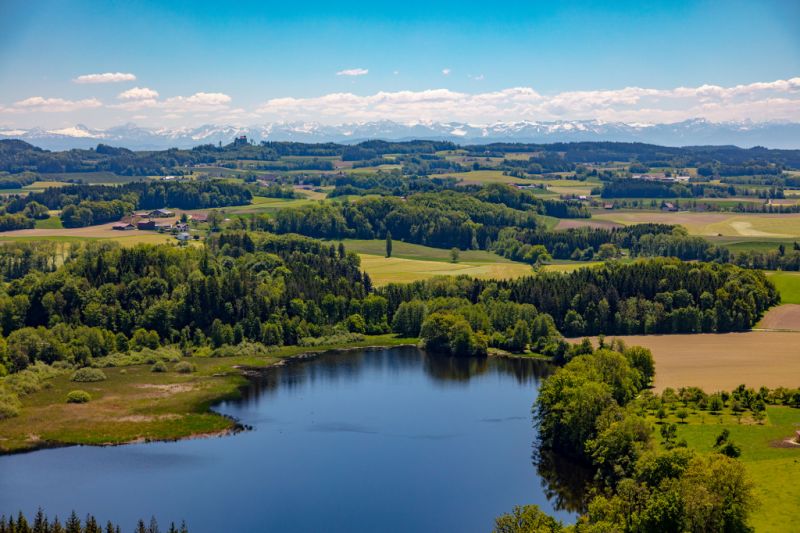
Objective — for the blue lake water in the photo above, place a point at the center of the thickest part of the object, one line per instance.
(381, 440)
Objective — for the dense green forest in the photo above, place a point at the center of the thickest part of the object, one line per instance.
(420, 156)
(282, 289)
(141, 195)
(591, 410)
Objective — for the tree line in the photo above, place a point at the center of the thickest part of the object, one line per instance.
(41, 523)
(588, 410)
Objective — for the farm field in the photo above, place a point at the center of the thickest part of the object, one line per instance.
(569, 266)
(102, 231)
(385, 270)
(54, 222)
(785, 317)
(716, 362)
(412, 262)
(746, 244)
(725, 224)
(571, 223)
(483, 176)
(406, 250)
(771, 462)
(262, 204)
(92, 177)
(788, 284)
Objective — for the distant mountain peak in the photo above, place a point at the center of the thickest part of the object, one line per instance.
(695, 131)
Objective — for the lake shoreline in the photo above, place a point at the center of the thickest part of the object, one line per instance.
(227, 382)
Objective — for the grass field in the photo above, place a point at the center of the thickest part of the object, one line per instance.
(412, 262)
(788, 284)
(750, 244)
(569, 266)
(384, 270)
(716, 362)
(570, 223)
(483, 176)
(54, 222)
(724, 224)
(772, 464)
(92, 177)
(262, 204)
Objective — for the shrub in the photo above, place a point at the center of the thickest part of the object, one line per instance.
(31, 379)
(9, 404)
(185, 367)
(78, 396)
(160, 366)
(88, 375)
(336, 338)
(243, 348)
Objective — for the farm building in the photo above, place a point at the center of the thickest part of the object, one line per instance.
(661, 177)
(146, 225)
(668, 206)
(199, 217)
(123, 227)
(183, 236)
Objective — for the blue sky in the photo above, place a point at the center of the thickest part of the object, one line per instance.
(252, 53)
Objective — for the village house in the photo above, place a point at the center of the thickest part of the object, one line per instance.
(661, 177)
(199, 217)
(146, 225)
(126, 226)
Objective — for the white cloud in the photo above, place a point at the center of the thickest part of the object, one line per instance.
(142, 98)
(138, 93)
(779, 99)
(353, 72)
(40, 103)
(197, 102)
(757, 101)
(479, 77)
(106, 77)
(446, 71)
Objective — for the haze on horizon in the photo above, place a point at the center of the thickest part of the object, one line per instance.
(182, 64)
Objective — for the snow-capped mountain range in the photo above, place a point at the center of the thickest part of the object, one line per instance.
(690, 132)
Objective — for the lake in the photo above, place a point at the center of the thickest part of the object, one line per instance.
(374, 440)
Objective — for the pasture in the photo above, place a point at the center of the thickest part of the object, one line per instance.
(419, 252)
(412, 262)
(262, 204)
(788, 284)
(385, 270)
(771, 462)
(759, 225)
(568, 266)
(483, 177)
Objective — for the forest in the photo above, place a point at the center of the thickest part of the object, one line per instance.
(279, 290)
(18, 156)
(592, 410)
